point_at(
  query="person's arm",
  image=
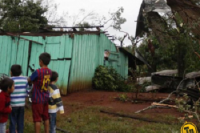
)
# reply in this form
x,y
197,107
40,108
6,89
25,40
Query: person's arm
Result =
x,y
60,104
61,108
28,88
32,77
29,80
4,109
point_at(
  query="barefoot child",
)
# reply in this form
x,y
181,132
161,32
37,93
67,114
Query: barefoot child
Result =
x,y
7,87
55,102
40,95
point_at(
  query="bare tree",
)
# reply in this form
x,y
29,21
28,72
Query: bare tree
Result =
x,y
52,15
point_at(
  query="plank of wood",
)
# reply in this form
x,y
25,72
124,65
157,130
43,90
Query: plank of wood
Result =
x,y
166,105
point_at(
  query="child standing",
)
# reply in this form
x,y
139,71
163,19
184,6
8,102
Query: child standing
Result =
x,y
55,102
40,95
18,98
7,87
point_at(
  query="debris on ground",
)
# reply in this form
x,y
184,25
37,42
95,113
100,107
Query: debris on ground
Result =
x,y
143,80
152,88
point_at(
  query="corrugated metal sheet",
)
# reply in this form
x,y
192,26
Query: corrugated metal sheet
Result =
x,y
59,47
119,61
123,65
85,59
88,54
13,51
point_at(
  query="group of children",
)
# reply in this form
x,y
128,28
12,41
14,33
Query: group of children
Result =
x,y
46,99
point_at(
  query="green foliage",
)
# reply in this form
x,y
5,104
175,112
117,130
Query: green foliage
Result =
x,y
106,78
118,20
183,45
177,50
186,104
21,16
163,56
123,97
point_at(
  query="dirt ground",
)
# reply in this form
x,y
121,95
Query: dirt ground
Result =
x,y
83,114
108,100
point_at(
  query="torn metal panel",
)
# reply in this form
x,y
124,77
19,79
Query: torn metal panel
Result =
x,y
156,6
193,74
142,80
169,83
189,84
152,88
12,35
140,27
188,10
166,72
190,87
155,21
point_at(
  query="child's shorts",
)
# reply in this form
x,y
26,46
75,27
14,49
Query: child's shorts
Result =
x,y
40,112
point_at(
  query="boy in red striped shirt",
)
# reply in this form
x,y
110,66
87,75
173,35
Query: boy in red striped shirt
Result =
x,y
40,95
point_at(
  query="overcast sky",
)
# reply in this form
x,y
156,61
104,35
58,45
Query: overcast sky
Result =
x,y
102,7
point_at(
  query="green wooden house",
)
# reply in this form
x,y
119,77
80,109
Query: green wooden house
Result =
x,y
75,55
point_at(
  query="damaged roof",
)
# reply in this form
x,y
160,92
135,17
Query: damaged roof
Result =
x,y
150,6
156,6
57,31
131,56
188,10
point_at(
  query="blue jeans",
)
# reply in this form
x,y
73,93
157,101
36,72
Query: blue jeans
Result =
x,y
3,127
17,119
52,121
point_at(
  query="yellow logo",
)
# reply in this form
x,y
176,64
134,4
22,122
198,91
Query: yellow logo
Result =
x,y
189,127
46,82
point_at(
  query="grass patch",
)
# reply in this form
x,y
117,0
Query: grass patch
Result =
x,y
90,120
